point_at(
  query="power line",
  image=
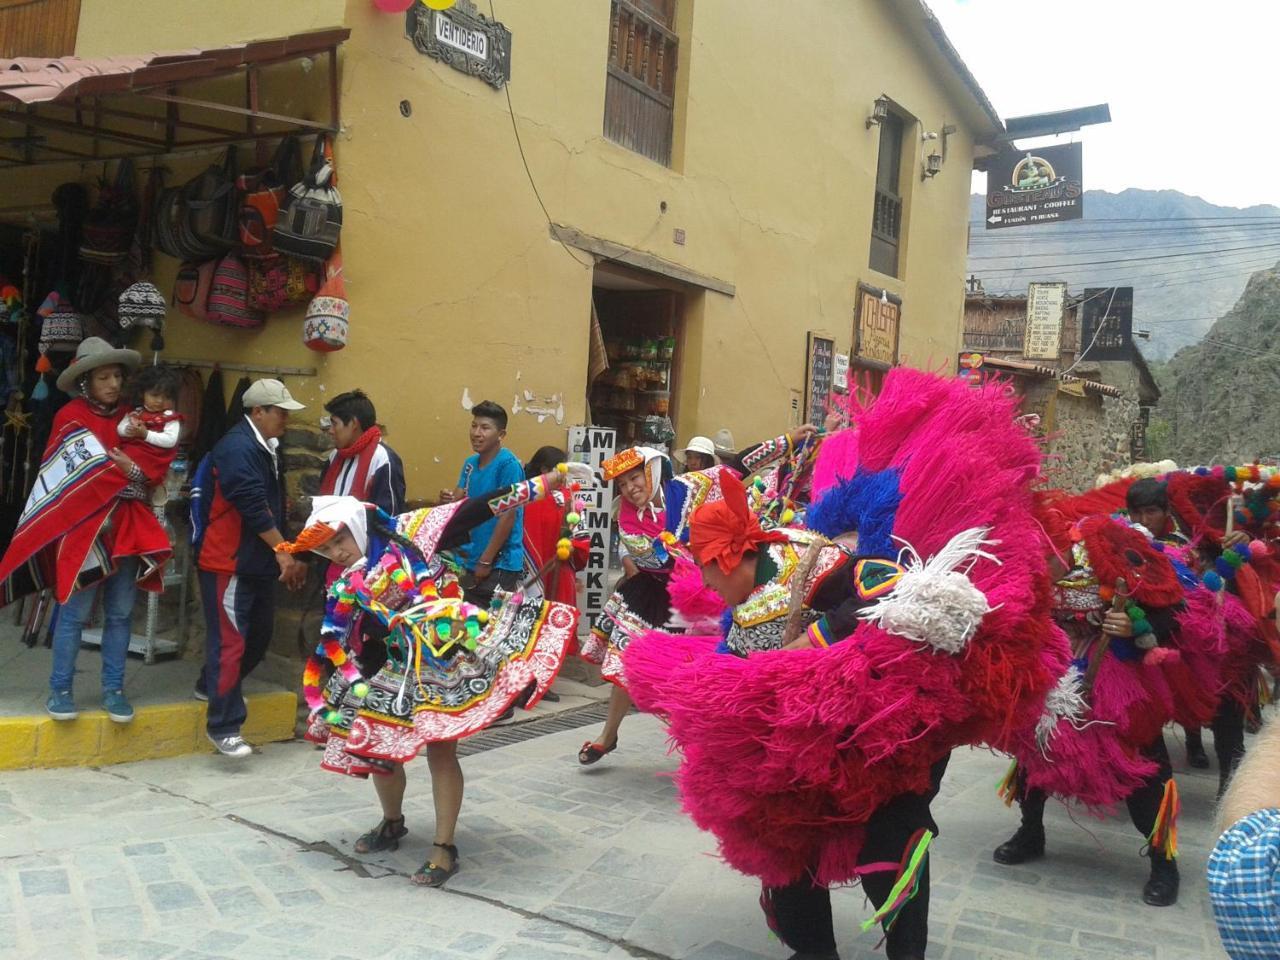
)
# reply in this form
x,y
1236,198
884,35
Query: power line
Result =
x,y
1169,256
1205,245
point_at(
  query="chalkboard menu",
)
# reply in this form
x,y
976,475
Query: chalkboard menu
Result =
x,y
819,374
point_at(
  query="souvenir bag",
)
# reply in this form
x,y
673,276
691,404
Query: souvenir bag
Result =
x,y
278,281
309,225
325,328
108,229
191,289
210,213
263,193
229,296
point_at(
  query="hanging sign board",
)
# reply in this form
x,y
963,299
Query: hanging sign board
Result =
x,y
1035,186
1044,320
876,326
1106,323
463,38
819,370
593,446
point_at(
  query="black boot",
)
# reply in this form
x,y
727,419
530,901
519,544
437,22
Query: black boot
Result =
x,y
1196,757
1026,844
1161,889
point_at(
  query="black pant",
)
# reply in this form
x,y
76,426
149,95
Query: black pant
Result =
x,y
802,910
1143,803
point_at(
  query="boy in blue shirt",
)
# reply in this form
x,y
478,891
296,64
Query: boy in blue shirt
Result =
x,y
494,554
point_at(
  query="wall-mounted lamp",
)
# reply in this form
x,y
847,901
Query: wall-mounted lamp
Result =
x,y
879,110
932,166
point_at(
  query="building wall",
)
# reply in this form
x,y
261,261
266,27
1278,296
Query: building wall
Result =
x,y
459,292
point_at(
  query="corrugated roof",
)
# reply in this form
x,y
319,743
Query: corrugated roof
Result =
x,y
29,80
1040,370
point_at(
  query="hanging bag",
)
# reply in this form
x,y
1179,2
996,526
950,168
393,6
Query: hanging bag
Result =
x,y
278,282
210,211
328,316
109,227
264,192
309,225
229,296
191,289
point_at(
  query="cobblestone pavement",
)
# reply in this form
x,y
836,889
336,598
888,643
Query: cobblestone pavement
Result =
x,y
199,857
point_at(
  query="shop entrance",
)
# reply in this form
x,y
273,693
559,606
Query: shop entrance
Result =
x,y
640,319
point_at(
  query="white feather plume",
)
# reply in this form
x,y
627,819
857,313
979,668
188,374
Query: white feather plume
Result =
x,y
935,602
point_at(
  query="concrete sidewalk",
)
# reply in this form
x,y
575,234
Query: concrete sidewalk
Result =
x,y
168,721
199,857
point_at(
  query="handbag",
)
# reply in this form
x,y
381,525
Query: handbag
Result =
x,y
264,191
278,281
229,296
311,222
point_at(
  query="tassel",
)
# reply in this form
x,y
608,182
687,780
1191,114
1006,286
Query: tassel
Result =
x,y
43,364
41,390
1164,834
907,884
1007,788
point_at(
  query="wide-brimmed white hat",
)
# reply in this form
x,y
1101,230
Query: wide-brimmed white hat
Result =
x,y
92,353
701,445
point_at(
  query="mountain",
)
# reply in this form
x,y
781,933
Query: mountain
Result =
x,y
1217,402
1187,260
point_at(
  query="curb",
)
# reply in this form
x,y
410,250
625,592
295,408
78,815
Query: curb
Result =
x,y
162,730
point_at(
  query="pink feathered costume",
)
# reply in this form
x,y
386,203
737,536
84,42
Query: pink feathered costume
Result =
x,y
787,754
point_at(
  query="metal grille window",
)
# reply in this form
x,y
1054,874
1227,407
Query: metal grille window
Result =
x,y
639,97
886,212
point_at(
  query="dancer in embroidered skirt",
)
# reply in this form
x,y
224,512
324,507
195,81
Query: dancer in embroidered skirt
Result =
x,y
814,740
452,669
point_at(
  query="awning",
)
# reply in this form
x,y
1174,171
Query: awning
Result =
x,y
72,108
1040,370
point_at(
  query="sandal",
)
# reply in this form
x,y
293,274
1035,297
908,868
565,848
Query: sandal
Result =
x,y
431,875
385,836
591,752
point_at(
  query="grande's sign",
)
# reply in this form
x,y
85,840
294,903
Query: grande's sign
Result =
x,y
1035,186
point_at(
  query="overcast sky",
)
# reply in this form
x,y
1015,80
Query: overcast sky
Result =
x,y
1191,85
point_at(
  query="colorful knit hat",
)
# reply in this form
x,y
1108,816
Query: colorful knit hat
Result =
x,y
142,305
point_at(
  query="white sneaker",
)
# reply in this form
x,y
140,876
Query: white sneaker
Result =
x,y
233,746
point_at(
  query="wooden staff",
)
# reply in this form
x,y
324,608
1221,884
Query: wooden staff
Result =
x,y
1103,642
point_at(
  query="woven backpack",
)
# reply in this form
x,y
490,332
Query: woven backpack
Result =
x,y
108,229
229,296
209,218
264,191
309,225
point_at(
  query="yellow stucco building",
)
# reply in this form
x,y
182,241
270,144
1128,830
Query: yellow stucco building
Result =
x,y
788,167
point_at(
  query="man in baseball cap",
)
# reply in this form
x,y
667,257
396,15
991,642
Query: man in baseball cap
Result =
x,y
236,557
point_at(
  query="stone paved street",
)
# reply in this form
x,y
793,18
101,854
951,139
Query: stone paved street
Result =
x,y
196,857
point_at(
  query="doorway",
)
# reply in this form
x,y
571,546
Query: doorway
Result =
x,y
639,325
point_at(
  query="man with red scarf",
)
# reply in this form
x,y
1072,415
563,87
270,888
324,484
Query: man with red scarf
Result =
x,y
361,465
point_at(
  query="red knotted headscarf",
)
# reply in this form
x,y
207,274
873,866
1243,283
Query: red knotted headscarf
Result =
x,y
723,531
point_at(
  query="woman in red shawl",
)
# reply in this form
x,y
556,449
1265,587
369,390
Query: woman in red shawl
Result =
x,y
544,522
88,524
